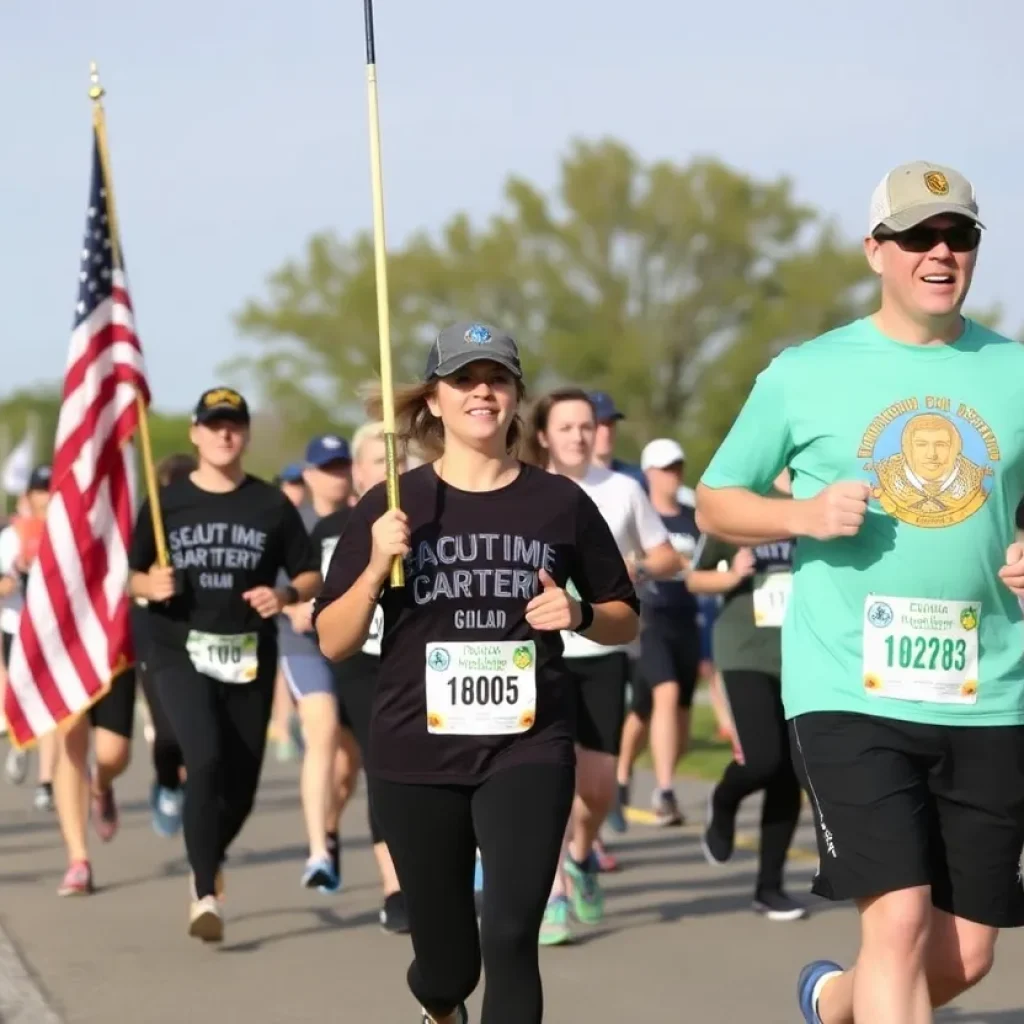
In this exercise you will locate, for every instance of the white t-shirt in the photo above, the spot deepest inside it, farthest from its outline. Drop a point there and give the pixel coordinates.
(10, 607)
(636, 527)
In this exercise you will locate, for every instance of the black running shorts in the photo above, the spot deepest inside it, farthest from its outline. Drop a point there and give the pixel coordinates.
(115, 710)
(597, 699)
(669, 652)
(355, 684)
(900, 804)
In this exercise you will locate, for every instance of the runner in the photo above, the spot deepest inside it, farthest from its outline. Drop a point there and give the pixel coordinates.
(471, 742)
(903, 679)
(212, 636)
(167, 793)
(748, 641)
(356, 677)
(110, 723)
(330, 763)
(19, 543)
(607, 417)
(285, 730)
(561, 440)
(666, 676)
(292, 483)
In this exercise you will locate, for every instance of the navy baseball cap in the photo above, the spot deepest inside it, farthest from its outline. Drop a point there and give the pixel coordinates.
(291, 474)
(604, 407)
(221, 404)
(327, 448)
(470, 342)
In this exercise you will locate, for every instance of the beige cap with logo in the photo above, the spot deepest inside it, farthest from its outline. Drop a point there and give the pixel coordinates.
(914, 192)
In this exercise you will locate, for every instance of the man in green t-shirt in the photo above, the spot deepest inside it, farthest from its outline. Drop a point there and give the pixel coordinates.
(903, 680)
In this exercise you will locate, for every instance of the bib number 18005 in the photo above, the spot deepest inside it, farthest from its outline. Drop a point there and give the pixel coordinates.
(481, 689)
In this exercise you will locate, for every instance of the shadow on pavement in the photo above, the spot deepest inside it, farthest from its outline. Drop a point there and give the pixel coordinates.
(327, 921)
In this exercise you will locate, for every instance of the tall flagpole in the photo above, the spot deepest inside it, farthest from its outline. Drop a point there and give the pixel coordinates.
(99, 122)
(380, 262)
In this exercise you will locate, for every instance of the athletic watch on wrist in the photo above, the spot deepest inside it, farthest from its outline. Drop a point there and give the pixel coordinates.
(586, 616)
(291, 595)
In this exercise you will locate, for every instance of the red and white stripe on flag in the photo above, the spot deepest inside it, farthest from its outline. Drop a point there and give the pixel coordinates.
(74, 635)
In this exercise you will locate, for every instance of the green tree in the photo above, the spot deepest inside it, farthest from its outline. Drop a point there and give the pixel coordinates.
(670, 286)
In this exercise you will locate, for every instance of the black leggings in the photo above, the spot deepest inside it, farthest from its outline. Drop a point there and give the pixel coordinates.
(755, 699)
(222, 729)
(167, 756)
(517, 818)
(355, 681)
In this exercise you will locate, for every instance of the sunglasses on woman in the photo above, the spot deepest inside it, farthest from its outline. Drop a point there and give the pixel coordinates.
(923, 238)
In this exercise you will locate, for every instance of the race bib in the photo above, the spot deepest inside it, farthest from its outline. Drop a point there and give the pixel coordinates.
(771, 597)
(230, 659)
(922, 650)
(372, 644)
(481, 689)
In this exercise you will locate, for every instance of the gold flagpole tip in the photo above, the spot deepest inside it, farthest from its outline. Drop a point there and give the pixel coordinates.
(96, 91)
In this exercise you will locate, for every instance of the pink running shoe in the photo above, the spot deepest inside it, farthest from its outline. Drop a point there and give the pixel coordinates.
(77, 880)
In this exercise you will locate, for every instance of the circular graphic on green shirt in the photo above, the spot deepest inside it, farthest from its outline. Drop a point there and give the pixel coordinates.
(930, 459)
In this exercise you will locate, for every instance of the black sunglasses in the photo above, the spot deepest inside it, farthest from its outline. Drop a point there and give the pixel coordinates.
(920, 239)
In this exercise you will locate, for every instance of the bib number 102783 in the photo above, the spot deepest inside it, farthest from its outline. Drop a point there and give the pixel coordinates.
(481, 689)
(921, 650)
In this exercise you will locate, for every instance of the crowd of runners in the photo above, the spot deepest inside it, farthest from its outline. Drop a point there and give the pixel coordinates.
(844, 583)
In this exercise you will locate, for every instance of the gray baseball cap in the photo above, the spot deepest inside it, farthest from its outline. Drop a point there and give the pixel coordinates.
(911, 193)
(471, 342)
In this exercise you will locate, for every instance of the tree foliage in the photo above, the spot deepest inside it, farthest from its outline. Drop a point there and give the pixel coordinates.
(670, 286)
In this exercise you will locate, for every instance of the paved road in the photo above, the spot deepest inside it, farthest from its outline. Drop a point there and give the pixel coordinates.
(679, 943)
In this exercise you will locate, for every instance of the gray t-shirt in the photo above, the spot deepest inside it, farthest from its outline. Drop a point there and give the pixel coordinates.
(289, 642)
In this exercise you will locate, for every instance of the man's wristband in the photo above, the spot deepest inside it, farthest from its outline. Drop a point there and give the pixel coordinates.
(290, 595)
(586, 617)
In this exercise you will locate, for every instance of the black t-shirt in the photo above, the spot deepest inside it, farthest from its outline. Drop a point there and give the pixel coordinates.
(472, 571)
(222, 545)
(325, 535)
(673, 596)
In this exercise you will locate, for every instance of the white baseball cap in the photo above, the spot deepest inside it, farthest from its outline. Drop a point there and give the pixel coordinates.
(661, 453)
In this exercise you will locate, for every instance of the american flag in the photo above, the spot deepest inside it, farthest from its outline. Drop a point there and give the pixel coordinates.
(74, 635)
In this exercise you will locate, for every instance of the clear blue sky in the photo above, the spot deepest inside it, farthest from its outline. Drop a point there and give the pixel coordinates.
(238, 128)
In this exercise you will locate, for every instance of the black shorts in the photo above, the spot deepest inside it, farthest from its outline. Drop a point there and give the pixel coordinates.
(355, 683)
(597, 700)
(899, 804)
(669, 652)
(115, 710)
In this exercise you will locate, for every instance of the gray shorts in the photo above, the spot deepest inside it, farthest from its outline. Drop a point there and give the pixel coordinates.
(307, 674)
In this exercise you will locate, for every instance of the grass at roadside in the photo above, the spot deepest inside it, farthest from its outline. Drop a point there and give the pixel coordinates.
(708, 755)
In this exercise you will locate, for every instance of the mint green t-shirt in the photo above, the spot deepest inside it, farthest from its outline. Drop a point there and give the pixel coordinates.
(908, 619)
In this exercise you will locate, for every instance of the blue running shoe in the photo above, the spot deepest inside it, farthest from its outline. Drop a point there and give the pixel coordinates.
(809, 978)
(166, 805)
(319, 874)
(616, 819)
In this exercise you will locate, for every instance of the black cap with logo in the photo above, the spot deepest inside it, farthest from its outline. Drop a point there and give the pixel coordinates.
(221, 404)
(464, 343)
